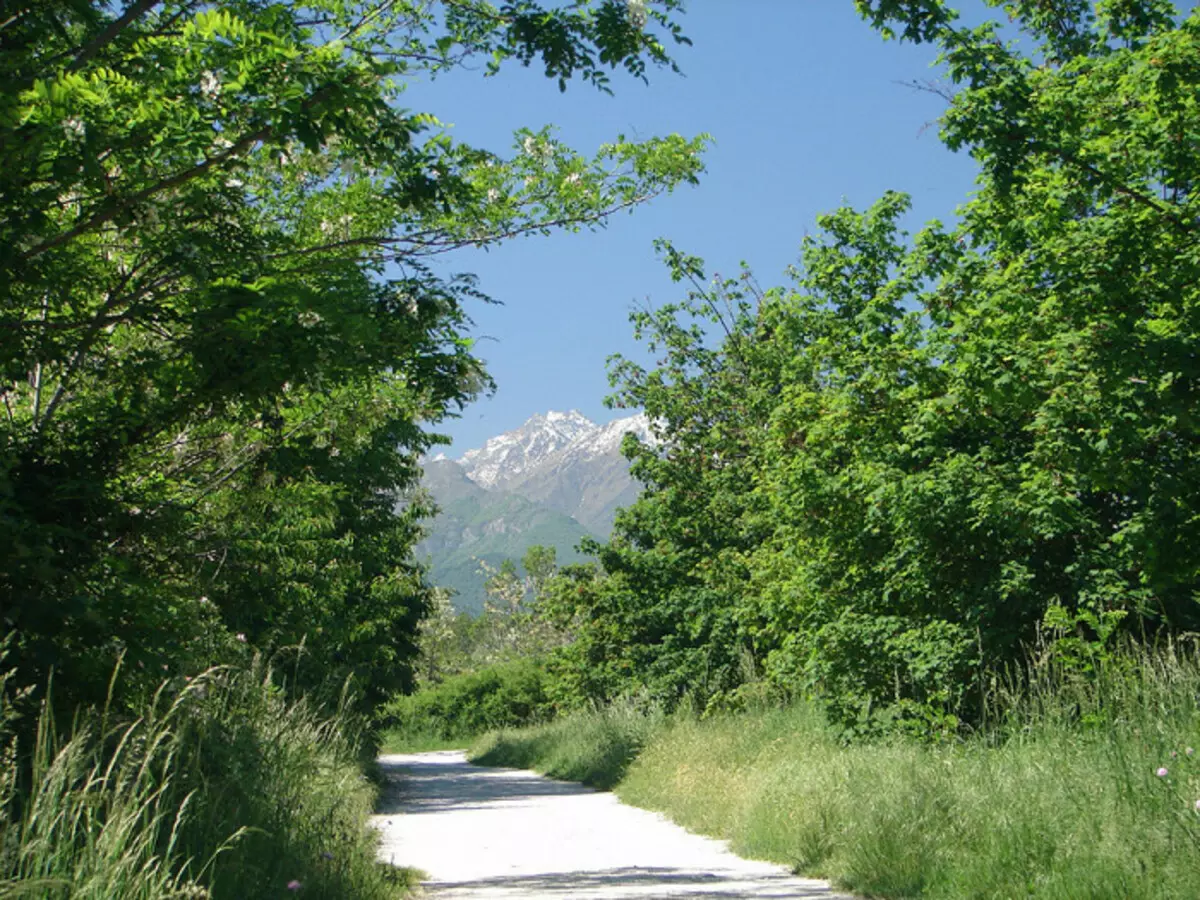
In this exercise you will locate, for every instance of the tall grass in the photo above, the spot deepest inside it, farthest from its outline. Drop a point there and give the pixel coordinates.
(221, 788)
(1082, 785)
(594, 747)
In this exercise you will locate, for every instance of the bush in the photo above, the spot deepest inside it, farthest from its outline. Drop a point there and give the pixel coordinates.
(222, 788)
(504, 695)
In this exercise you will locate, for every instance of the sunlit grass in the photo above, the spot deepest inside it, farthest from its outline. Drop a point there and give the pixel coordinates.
(594, 747)
(1083, 786)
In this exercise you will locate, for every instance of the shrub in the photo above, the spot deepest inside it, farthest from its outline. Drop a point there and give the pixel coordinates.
(504, 695)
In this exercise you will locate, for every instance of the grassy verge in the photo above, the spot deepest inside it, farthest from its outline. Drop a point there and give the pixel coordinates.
(595, 748)
(1088, 789)
(221, 788)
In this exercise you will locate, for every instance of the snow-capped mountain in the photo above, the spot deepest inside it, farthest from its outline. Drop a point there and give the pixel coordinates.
(508, 455)
(554, 480)
(588, 478)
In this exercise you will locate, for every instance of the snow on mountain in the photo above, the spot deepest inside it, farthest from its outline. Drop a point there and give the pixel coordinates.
(556, 479)
(564, 461)
(605, 439)
(510, 454)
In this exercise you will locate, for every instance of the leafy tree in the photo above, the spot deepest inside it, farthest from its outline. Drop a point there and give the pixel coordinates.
(223, 345)
(880, 483)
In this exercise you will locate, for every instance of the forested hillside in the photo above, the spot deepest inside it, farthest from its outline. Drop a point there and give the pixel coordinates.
(475, 526)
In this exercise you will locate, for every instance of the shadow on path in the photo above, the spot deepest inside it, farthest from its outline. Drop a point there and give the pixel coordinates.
(647, 882)
(443, 784)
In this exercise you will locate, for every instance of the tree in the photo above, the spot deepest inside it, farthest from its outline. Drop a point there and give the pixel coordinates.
(223, 347)
(883, 481)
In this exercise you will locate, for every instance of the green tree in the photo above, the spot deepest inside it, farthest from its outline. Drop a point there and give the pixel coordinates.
(223, 347)
(881, 482)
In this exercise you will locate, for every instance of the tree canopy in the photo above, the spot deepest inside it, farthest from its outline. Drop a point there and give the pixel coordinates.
(895, 476)
(224, 349)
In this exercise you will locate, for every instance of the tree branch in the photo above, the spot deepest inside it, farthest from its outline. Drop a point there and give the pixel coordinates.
(132, 13)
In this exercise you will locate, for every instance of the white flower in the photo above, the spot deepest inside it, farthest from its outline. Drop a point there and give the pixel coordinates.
(210, 85)
(493, 195)
(233, 182)
(573, 178)
(74, 129)
(531, 146)
(637, 12)
(326, 226)
(529, 180)
(204, 601)
(308, 319)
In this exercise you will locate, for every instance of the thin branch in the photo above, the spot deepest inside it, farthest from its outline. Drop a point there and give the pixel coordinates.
(135, 11)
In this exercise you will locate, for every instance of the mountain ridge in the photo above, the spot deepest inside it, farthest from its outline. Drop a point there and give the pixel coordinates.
(554, 480)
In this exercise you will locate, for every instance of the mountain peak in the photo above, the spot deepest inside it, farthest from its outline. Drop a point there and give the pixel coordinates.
(552, 436)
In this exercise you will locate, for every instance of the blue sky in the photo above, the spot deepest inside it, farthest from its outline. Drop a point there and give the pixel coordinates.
(803, 102)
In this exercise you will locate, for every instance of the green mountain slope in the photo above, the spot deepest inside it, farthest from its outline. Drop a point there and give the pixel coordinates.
(479, 524)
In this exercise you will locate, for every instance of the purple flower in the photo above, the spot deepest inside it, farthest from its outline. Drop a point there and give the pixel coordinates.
(1162, 772)
(294, 885)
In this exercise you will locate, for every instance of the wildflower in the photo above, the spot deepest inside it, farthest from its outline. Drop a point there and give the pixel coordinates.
(637, 12)
(1161, 772)
(241, 637)
(74, 129)
(210, 86)
(294, 885)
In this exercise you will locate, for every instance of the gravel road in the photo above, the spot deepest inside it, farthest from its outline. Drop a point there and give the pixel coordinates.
(486, 834)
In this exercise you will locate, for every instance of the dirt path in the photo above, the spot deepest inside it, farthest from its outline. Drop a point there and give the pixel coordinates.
(504, 833)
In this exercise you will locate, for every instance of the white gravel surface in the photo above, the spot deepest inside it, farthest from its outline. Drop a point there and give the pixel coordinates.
(504, 833)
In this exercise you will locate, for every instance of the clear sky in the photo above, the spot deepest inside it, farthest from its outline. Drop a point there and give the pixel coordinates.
(807, 111)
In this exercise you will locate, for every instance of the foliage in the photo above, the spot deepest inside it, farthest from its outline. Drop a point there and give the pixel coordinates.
(514, 623)
(223, 341)
(888, 479)
(503, 695)
(220, 787)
